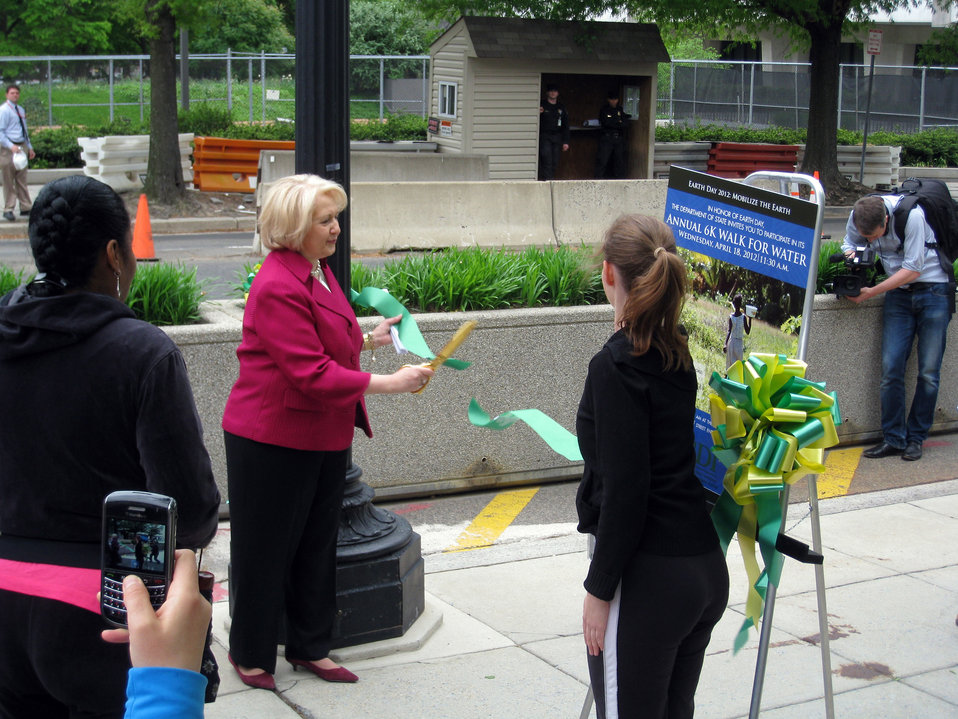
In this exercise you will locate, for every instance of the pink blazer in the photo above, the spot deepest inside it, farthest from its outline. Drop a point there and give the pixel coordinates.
(299, 382)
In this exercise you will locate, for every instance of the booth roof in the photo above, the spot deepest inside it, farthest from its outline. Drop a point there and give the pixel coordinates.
(494, 37)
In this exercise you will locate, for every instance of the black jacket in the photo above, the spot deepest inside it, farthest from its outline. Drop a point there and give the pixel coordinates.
(638, 491)
(554, 120)
(612, 119)
(94, 401)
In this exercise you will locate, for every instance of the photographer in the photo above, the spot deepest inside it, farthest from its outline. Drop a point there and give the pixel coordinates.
(917, 304)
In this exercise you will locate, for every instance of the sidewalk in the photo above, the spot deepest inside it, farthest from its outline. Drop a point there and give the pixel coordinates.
(507, 639)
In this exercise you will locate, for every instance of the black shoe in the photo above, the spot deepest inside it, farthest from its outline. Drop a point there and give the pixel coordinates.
(24, 213)
(9, 216)
(912, 451)
(884, 450)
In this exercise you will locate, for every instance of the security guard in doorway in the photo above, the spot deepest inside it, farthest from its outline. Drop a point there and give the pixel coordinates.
(612, 139)
(553, 133)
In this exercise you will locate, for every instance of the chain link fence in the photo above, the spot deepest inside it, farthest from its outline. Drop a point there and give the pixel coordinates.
(101, 89)
(775, 94)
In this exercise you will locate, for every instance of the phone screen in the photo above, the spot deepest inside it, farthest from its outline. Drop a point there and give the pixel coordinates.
(138, 538)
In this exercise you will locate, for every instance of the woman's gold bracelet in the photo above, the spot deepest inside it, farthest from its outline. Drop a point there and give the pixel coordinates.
(368, 342)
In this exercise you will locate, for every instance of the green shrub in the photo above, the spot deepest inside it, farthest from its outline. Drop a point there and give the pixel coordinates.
(395, 128)
(166, 294)
(11, 279)
(205, 119)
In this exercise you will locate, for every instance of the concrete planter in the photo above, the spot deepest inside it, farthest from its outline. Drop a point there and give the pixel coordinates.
(424, 444)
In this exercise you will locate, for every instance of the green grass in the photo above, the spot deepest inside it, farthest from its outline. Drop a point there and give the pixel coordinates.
(166, 294)
(11, 279)
(707, 325)
(87, 103)
(456, 280)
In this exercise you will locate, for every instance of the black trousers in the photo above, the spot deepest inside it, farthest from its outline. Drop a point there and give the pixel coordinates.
(550, 147)
(659, 627)
(53, 663)
(284, 518)
(610, 148)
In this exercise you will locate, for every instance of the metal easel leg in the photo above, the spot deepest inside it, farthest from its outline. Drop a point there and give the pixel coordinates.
(587, 704)
(820, 592)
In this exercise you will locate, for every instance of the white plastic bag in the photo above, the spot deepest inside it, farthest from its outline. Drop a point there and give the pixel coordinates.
(20, 160)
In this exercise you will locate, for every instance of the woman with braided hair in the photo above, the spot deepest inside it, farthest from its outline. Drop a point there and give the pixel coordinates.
(94, 401)
(657, 583)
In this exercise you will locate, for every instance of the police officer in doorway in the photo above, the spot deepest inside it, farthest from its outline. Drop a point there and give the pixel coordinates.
(612, 139)
(553, 133)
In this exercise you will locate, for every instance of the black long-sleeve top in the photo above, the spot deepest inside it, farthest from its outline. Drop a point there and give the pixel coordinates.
(94, 401)
(554, 120)
(638, 491)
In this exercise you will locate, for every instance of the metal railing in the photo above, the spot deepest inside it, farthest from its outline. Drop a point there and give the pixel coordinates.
(260, 87)
(254, 87)
(906, 98)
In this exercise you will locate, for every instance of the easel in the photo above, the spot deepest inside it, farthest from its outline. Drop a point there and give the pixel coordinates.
(785, 181)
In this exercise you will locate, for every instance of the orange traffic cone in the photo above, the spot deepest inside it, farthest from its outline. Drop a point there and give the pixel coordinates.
(142, 234)
(811, 194)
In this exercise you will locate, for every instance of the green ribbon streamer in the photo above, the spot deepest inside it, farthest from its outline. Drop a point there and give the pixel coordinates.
(558, 438)
(409, 334)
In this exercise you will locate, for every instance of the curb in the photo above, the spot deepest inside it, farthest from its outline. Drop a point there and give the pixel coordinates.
(173, 226)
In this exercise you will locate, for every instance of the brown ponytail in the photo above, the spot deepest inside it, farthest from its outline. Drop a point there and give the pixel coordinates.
(643, 249)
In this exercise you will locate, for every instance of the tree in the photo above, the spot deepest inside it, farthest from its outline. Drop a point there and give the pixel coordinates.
(158, 20)
(242, 26)
(817, 25)
(61, 27)
(386, 27)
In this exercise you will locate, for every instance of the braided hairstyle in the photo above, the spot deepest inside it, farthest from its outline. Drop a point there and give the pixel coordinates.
(72, 220)
(643, 249)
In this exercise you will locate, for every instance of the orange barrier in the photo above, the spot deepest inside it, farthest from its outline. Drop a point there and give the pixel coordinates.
(740, 159)
(223, 165)
(143, 233)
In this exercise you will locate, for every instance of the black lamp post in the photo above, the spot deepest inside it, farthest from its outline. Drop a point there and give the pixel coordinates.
(379, 573)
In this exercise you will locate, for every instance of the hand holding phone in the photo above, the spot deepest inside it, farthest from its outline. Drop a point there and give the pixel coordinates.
(173, 636)
(139, 538)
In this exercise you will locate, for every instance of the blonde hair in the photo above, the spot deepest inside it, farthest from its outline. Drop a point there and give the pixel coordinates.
(643, 249)
(287, 213)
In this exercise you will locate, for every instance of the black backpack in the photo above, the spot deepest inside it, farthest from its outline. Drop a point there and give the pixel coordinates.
(941, 212)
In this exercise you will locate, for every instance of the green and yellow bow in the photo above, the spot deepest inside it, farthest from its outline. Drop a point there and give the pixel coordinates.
(772, 427)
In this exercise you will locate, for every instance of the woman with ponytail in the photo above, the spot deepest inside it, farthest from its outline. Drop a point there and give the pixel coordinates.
(657, 583)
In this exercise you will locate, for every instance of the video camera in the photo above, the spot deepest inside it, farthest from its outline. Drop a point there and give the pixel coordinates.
(858, 264)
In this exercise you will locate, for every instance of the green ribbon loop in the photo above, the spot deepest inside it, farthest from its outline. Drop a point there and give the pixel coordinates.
(409, 334)
(558, 438)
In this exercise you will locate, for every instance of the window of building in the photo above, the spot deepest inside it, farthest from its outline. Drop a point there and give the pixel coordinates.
(740, 51)
(447, 99)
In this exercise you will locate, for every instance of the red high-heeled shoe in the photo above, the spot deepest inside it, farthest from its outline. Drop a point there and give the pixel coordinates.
(257, 681)
(339, 674)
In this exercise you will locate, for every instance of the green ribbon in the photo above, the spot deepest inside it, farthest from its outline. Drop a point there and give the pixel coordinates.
(553, 434)
(772, 427)
(409, 334)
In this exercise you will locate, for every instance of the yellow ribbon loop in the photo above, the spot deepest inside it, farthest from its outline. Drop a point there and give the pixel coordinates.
(772, 426)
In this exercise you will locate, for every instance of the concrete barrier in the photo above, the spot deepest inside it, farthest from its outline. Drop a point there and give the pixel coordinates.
(583, 209)
(120, 160)
(949, 175)
(423, 215)
(424, 444)
(882, 163)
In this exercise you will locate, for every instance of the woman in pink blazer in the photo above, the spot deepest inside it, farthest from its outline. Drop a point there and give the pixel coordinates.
(288, 426)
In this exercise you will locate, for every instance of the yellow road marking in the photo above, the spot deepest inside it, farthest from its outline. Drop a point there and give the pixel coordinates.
(493, 520)
(840, 467)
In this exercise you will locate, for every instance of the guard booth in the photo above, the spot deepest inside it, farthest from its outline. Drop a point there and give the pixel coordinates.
(489, 76)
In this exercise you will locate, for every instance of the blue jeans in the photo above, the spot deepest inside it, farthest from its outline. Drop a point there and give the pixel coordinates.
(922, 313)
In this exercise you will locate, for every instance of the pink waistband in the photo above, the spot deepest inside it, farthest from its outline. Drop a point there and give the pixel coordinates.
(72, 585)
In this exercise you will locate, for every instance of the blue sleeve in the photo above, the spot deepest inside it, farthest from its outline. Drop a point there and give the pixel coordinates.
(163, 692)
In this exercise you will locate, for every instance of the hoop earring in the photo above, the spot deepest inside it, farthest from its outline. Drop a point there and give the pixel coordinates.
(117, 274)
